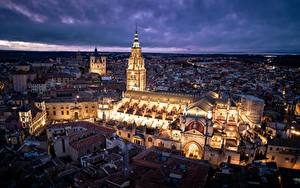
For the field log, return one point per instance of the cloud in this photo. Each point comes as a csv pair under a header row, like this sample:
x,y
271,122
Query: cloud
x,y
67,20
32,46
193,25
25,12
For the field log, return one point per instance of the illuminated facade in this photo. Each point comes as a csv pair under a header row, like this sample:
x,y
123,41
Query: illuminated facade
x,y
72,109
180,122
98,64
285,152
202,127
136,72
34,118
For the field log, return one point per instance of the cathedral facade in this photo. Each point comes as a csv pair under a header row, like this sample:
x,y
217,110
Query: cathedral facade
x,y
97,64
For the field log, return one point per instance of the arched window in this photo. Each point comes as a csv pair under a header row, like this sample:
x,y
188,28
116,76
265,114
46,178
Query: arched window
x,y
149,139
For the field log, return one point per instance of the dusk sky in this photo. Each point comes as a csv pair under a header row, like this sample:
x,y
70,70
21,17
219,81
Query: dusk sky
x,y
186,26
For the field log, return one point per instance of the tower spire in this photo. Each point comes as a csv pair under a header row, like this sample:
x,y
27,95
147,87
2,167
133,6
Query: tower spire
x,y
136,43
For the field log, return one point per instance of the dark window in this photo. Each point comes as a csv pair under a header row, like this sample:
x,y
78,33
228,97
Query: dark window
x,y
62,112
128,135
273,158
67,112
137,142
270,148
149,139
54,113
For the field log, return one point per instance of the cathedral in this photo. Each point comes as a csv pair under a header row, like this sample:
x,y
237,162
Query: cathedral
x,y
210,126
202,127
97,64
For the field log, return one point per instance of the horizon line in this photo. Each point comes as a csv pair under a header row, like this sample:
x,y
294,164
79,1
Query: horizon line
x,y
8,45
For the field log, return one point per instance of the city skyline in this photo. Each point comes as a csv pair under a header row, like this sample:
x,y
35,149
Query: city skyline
x,y
142,120
169,26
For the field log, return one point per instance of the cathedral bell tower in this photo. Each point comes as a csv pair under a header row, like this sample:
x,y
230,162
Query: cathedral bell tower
x,y
136,72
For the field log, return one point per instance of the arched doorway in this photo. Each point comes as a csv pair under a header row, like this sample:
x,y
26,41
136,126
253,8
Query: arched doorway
x,y
193,150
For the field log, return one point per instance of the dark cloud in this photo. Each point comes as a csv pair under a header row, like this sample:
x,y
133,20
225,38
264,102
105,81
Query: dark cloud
x,y
197,25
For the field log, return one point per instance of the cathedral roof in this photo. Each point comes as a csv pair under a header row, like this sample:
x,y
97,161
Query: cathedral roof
x,y
206,103
161,97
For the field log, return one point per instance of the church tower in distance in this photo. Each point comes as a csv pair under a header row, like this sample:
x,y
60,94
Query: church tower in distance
x,y
136,72
97,64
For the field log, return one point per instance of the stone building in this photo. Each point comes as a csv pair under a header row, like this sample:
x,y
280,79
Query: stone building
x,y
97,64
22,76
285,152
77,139
136,72
70,109
33,117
